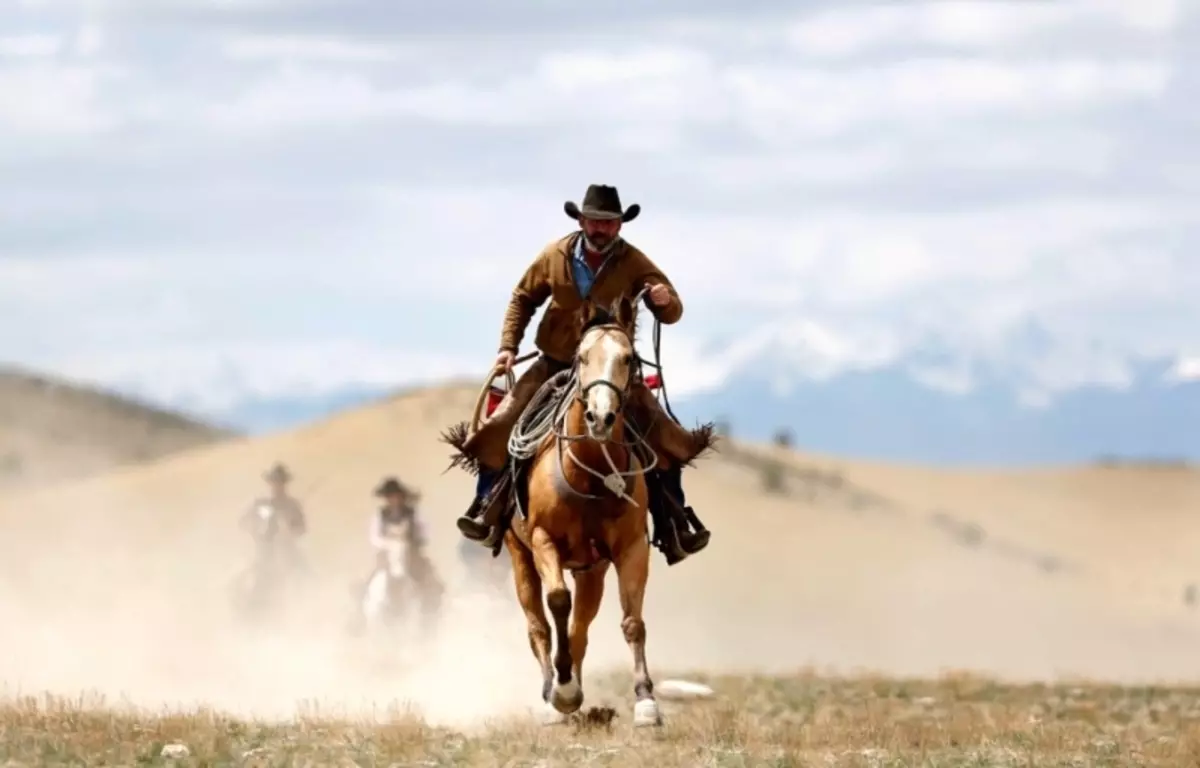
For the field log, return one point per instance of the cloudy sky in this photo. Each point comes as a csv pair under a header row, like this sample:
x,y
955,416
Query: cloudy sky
x,y
205,200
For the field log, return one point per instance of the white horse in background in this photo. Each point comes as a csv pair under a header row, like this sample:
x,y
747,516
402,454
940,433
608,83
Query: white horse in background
x,y
403,590
389,587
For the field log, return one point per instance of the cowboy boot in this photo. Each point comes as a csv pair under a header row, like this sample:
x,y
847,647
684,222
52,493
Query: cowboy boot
x,y
498,510
684,516
468,523
665,536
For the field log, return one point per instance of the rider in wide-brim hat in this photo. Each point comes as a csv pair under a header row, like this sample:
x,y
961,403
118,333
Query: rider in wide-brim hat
x,y
277,474
592,266
391,486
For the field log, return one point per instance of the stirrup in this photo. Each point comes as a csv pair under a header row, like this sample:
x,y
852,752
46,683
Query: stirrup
x,y
692,541
674,554
494,539
473,529
667,540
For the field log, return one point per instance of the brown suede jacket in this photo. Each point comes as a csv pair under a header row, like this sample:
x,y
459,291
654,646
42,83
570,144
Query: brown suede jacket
x,y
626,271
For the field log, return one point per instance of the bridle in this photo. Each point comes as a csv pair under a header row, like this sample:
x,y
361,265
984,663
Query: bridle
x,y
616,481
583,390
525,437
622,393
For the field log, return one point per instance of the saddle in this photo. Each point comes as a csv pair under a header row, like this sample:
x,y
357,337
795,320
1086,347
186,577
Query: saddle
x,y
497,505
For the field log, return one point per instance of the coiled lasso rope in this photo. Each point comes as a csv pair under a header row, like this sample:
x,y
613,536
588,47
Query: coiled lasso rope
x,y
537,422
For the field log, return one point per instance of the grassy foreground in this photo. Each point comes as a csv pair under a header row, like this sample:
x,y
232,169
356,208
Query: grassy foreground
x,y
777,721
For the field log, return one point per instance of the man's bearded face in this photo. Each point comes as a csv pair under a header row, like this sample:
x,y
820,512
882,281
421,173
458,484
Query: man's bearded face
x,y
600,233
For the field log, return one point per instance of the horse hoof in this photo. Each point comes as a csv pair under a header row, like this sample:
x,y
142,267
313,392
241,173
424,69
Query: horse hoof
x,y
551,716
567,698
645,713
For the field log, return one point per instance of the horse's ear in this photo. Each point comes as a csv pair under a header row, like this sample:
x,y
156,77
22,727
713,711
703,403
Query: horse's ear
x,y
622,312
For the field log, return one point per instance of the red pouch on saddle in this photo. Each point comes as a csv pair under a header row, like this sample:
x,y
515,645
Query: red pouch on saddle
x,y
494,396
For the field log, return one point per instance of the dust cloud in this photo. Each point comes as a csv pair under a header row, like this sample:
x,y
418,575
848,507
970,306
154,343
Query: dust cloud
x,y
155,628
141,616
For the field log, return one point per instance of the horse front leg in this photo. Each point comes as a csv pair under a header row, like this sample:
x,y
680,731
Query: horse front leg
x,y
589,593
529,593
633,568
375,599
566,696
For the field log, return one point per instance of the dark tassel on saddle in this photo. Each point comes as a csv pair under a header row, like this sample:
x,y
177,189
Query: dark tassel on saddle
x,y
456,437
704,439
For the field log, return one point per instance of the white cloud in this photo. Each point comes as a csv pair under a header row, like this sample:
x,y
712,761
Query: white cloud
x,y
848,259
307,47
1185,369
671,91
783,350
830,190
953,380
969,24
215,376
32,46
89,40
40,99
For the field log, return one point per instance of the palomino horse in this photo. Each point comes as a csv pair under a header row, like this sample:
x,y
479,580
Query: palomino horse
x,y
586,508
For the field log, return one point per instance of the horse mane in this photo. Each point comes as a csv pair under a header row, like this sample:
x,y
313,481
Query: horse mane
x,y
626,318
600,317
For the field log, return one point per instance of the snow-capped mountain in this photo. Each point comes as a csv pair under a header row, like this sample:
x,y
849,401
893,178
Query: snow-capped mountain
x,y
895,413
920,409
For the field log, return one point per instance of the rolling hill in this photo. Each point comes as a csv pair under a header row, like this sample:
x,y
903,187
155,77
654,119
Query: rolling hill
x,y
899,412
119,580
53,430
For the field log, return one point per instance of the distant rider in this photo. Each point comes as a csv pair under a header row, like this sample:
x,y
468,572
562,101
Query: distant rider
x,y
396,524
285,526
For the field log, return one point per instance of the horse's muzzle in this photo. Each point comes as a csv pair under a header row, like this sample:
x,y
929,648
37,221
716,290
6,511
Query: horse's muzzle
x,y
599,428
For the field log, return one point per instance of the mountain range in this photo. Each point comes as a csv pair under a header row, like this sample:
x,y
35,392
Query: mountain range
x,y
896,413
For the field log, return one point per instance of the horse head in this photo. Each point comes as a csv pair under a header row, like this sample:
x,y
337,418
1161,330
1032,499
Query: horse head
x,y
605,363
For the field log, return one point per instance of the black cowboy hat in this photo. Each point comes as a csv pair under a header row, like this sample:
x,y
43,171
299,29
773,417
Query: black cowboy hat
x,y
392,485
278,473
602,202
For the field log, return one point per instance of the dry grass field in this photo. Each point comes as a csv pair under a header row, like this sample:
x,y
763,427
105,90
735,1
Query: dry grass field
x,y
114,588
801,720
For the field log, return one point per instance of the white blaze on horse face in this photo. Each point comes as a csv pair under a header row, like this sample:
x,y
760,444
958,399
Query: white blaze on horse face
x,y
607,360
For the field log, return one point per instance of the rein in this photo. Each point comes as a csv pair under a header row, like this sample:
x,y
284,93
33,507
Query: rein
x,y
641,456
526,437
616,481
